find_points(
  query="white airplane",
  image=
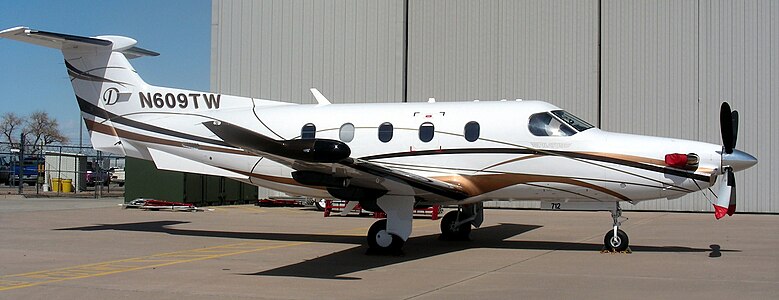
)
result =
(389, 157)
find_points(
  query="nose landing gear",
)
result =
(616, 240)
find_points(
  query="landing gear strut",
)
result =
(616, 240)
(453, 229)
(456, 225)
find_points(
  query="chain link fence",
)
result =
(60, 170)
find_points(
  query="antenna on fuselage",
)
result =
(320, 99)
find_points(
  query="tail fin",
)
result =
(100, 73)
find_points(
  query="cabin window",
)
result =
(472, 131)
(426, 132)
(545, 124)
(308, 132)
(346, 133)
(385, 132)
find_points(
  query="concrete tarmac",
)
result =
(96, 250)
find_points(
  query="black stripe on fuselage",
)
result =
(76, 73)
(102, 113)
(578, 155)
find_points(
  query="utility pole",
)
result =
(80, 134)
(21, 162)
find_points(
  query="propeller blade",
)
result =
(722, 205)
(726, 127)
(723, 201)
(735, 127)
(732, 184)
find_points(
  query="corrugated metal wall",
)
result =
(492, 50)
(351, 50)
(665, 65)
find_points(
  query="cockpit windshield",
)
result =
(556, 123)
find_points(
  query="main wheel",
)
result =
(320, 204)
(381, 241)
(617, 243)
(451, 232)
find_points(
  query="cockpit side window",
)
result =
(572, 120)
(544, 124)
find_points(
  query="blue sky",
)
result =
(34, 78)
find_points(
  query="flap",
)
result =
(171, 162)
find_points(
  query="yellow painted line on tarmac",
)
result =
(16, 281)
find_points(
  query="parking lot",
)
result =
(93, 249)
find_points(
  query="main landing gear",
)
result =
(616, 240)
(382, 241)
(388, 236)
(456, 225)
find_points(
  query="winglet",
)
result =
(319, 97)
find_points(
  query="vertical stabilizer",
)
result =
(102, 77)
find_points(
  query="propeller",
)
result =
(726, 199)
(728, 122)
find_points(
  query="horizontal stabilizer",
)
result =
(171, 162)
(51, 39)
(55, 40)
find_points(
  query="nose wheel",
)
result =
(616, 243)
(616, 240)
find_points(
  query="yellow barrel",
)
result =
(55, 185)
(67, 185)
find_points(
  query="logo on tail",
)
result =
(110, 96)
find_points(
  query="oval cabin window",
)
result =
(426, 132)
(346, 133)
(472, 131)
(385, 132)
(308, 132)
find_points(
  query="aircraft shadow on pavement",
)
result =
(338, 264)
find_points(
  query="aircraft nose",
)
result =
(738, 160)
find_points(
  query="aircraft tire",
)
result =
(382, 242)
(618, 244)
(320, 204)
(448, 230)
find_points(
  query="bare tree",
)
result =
(9, 124)
(41, 130)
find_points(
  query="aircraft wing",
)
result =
(325, 161)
